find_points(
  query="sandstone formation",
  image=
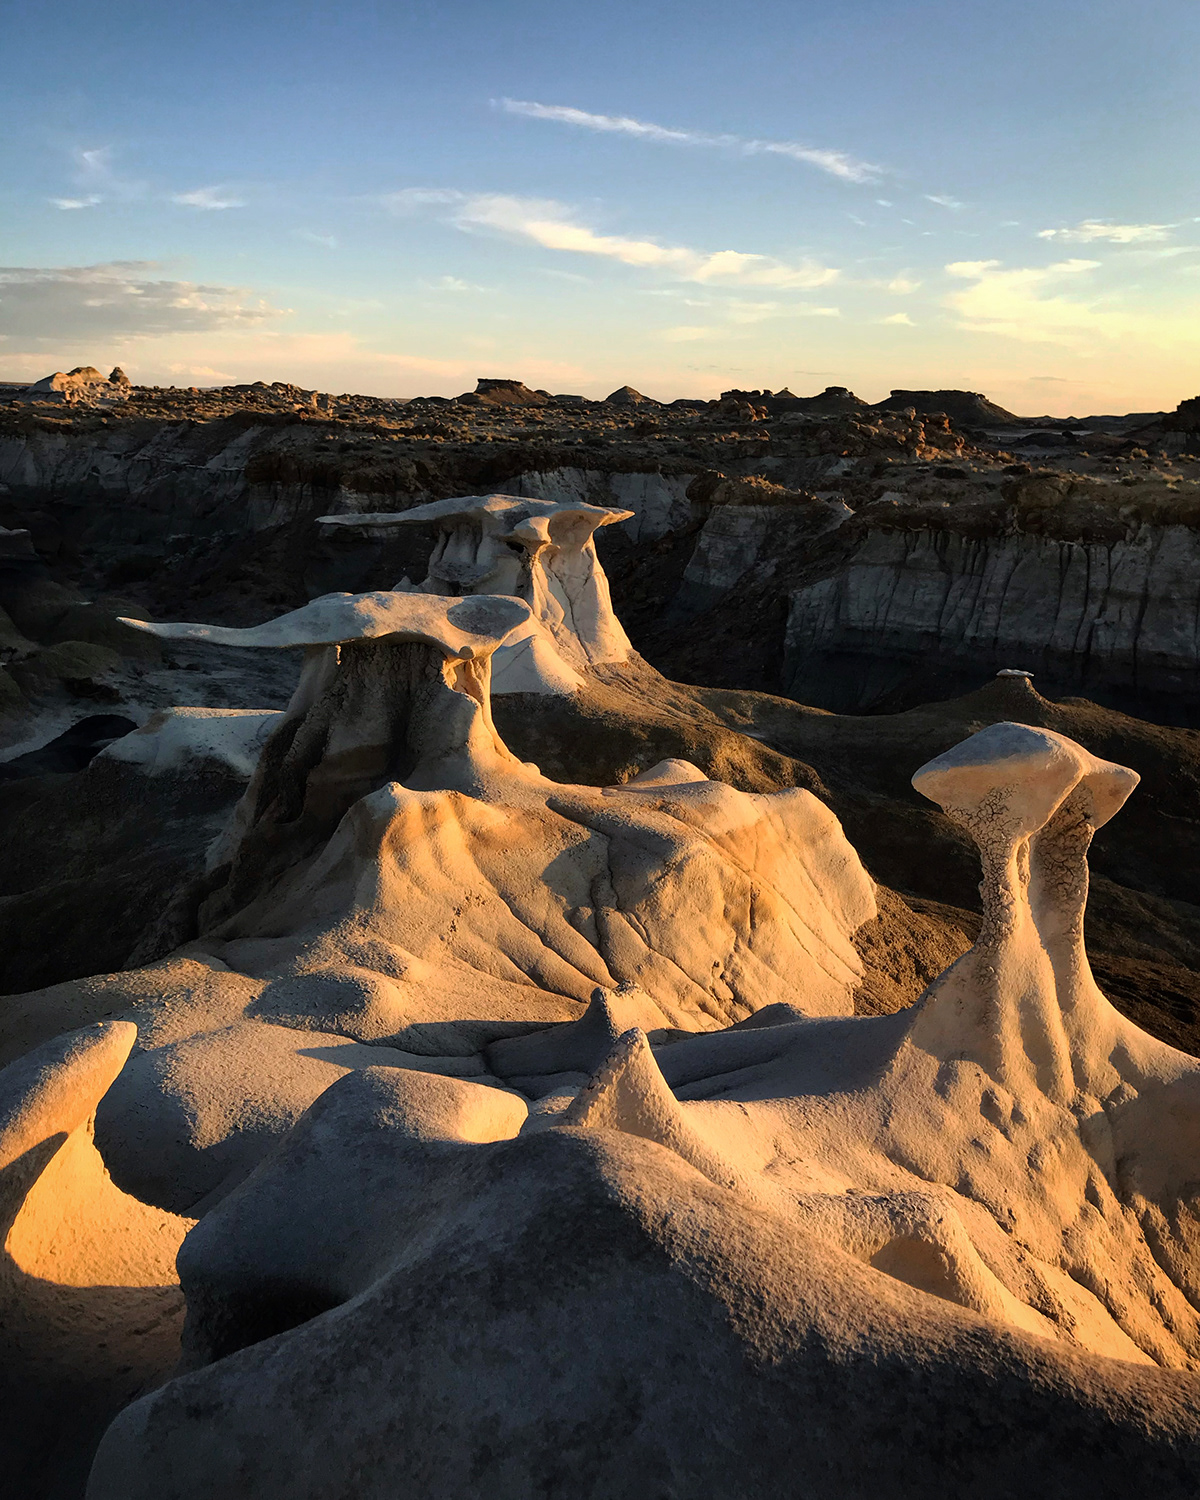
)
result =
(538, 551)
(394, 879)
(972, 1219)
(90, 1310)
(532, 1074)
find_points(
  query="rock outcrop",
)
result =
(967, 408)
(90, 1308)
(974, 1218)
(626, 396)
(83, 385)
(540, 551)
(496, 392)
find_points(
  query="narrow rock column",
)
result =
(1022, 1002)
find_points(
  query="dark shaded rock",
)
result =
(71, 750)
(961, 407)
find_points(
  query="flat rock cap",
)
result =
(1026, 770)
(506, 513)
(464, 628)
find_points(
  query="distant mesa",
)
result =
(967, 408)
(834, 400)
(495, 392)
(1185, 417)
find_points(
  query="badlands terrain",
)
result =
(550, 949)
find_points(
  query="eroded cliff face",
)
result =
(170, 503)
(929, 612)
(860, 565)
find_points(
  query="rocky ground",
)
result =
(824, 552)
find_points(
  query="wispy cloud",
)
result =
(94, 171)
(737, 310)
(1092, 230)
(836, 163)
(453, 284)
(899, 320)
(554, 226)
(943, 200)
(120, 298)
(326, 241)
(208, 199)
(1039, 305)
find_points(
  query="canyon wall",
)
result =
(881, 581)
(939, 610)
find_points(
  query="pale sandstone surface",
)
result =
(395, 879)
(962, 1233)
(90, 1309)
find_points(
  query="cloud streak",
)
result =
(207, 199)
(836, 163)
(554, 226)
(1092, 230)
(94, 170)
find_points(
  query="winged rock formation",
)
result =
(541, 551)
(396, 885)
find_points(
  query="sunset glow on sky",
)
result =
(397, 198)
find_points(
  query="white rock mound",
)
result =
(947, 1251)
(395, 882)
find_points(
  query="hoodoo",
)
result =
(538, 550)
(986, 1196)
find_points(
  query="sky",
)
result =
(398, 198)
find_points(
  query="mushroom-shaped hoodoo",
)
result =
(538, 550)
(1032, 801)
(394, 685)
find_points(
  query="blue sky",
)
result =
(396, 198)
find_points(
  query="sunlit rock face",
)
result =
(450, 1027)
(396, 884)
(90, 1307)
(541, 551)
(960, 1239)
